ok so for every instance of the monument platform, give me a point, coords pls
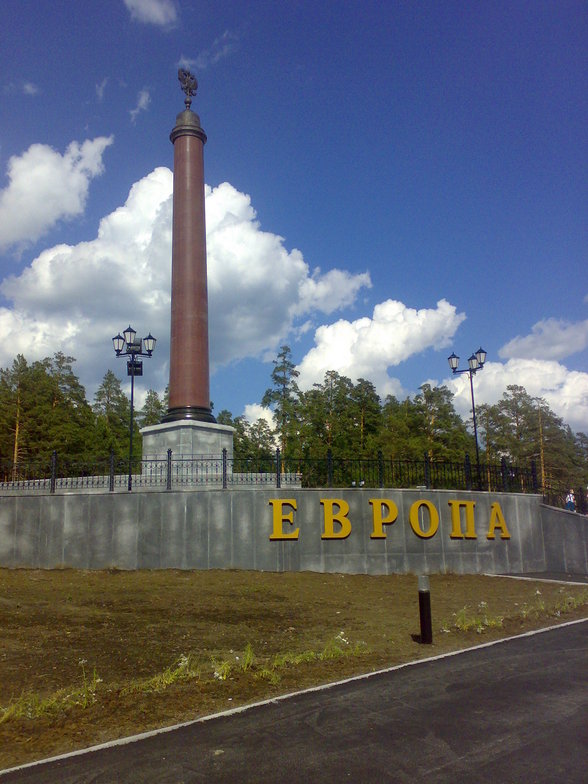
(187, 437)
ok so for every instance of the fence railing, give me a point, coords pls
(56, 474)
(111, 474)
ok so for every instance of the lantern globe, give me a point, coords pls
(453, 362)
(149, 343)
(129, 335)
(118, 342)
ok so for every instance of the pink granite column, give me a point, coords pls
(189, 386)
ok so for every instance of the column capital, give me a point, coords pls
(187, 124)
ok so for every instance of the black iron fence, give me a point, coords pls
(57, 474)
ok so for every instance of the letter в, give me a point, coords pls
(332, 516)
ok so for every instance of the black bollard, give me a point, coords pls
(425, 610)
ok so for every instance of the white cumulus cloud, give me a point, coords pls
(45, 187)
(74, 298)
(163, 13)
(263, 286)
(566, 391)
(329, 292)
(255, 411)
(367, 347)
(549, 339)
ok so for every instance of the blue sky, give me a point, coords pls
(388, 183)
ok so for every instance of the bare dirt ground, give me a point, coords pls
(87, 657)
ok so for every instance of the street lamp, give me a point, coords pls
(475, 363)
(134, 349)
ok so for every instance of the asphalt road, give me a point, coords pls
(512, 712)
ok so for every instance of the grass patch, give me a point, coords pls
(91, 656)
(184, 669)
(33, 706)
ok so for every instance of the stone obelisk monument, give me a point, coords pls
(189, 396)
(189, 426)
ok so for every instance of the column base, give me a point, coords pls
(195, 413)
(187, 438)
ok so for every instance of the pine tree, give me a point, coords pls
(394, 436)
(313, 432)
(71, 431)
(327, 418)
(366, 411)
(262, 437)
(224, 417)
(521, 428)
(284, 398)
(440, 431)
(112, 409)
(153, 410)
(15, 394)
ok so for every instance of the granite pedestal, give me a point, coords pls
(187, 437)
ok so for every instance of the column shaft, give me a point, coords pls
(189, 385)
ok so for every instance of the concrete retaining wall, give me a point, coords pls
(293, 530)
(565, 537)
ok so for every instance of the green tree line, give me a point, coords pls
(43, 407)
(351, 420)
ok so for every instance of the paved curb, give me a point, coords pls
(558, 580)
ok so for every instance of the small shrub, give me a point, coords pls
(221, 669)
(183, 669)
(32, 706)
(248, 658)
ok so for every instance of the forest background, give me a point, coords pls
(43, 408)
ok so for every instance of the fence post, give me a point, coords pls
(380, 468)
(504, 474)
(468, 472)
(224, 468)
(329, 468)
(278, 468)
(111, 471)
(168, 471)
(427, 472)
(581, 505)
(534, 477)
(53, 471)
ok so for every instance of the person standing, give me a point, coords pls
(571, 501)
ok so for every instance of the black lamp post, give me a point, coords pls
(475, 362)
(134, 349)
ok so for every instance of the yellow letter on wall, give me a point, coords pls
(433, 519)
(497, 521)
(280, 517)
(340, 516)
(456, 532)
(380, 521)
